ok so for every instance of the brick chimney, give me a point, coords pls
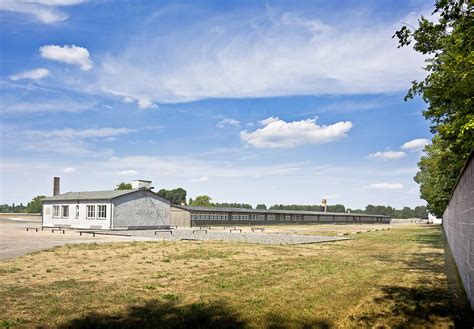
(56, 186)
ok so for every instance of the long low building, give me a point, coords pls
(200, 216)
(138, 208)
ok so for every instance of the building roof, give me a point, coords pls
(269, 211)
(90, 195)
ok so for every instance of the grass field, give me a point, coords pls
(397, 278)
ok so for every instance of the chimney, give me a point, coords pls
(56, 186)
(140, 184)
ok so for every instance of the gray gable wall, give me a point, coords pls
(142, 209)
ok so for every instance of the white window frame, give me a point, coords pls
(64, 206)
(77, 211)
(56, 214)
(89, 206)
(99, 211)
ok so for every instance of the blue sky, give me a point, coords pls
(246, 101)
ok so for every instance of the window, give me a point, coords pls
(90, 211)
(65, 212)
(55, 211)
(77, 211)
(102, 211)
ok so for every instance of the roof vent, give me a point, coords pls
(141, 184)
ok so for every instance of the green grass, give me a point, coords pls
(397, 278)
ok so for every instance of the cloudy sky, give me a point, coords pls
(246, 101)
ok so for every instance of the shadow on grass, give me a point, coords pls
(408, 307)
(163, 314)
(431, 236)
(422, 304)
(172, 314)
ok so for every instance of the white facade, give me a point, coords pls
(80, 214)
(130, 209)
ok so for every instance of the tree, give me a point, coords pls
(35, 205)
(202, 201)
(448, 91)
(175, 196)
(421, 212)
(261, 206)
(336, 208)
(124, 186)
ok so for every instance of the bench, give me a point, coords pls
(58, 230)
(87, 232)
(231, 227)
(261, 229)
(31, 228)
(164, 231)
(235, 229)
(199, 230)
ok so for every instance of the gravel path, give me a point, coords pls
(16, 241)
(235, 236)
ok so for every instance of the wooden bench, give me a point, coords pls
(235, 229)
(261, 229)
(164, 231)
(32, 228)
(231, 227)
(58, 230)
(199, 230)
(87, 232)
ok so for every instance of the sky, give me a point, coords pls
(275, 102)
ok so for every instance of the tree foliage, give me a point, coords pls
(261, 206)
(35, 205)
(232, 205)
(124, 186)
(175, 196)
(6, 208)
(448, 90)
(202, 201)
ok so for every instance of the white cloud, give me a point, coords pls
(201, 179)
(228, 122)
(80, 133)
(268, 120)
(385, 186)
(35, 74)
(260, 57)
(128, 100)
(415, 144)
(43, 106)
(388, 155)
(129, 172)
(278, 133)
(69, 170)
(44, 11)
(145, 103)
(69, 54)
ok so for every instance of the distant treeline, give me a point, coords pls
(34, 206)
(405, 212)
(13, 208)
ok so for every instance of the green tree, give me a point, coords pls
(421, 212)
(35, 205)
(261, 206)
(448, 91)
(124, 186)
(175, 196)
(202, 201)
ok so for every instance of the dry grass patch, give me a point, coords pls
(393, 278)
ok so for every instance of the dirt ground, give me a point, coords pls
(16, 241)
